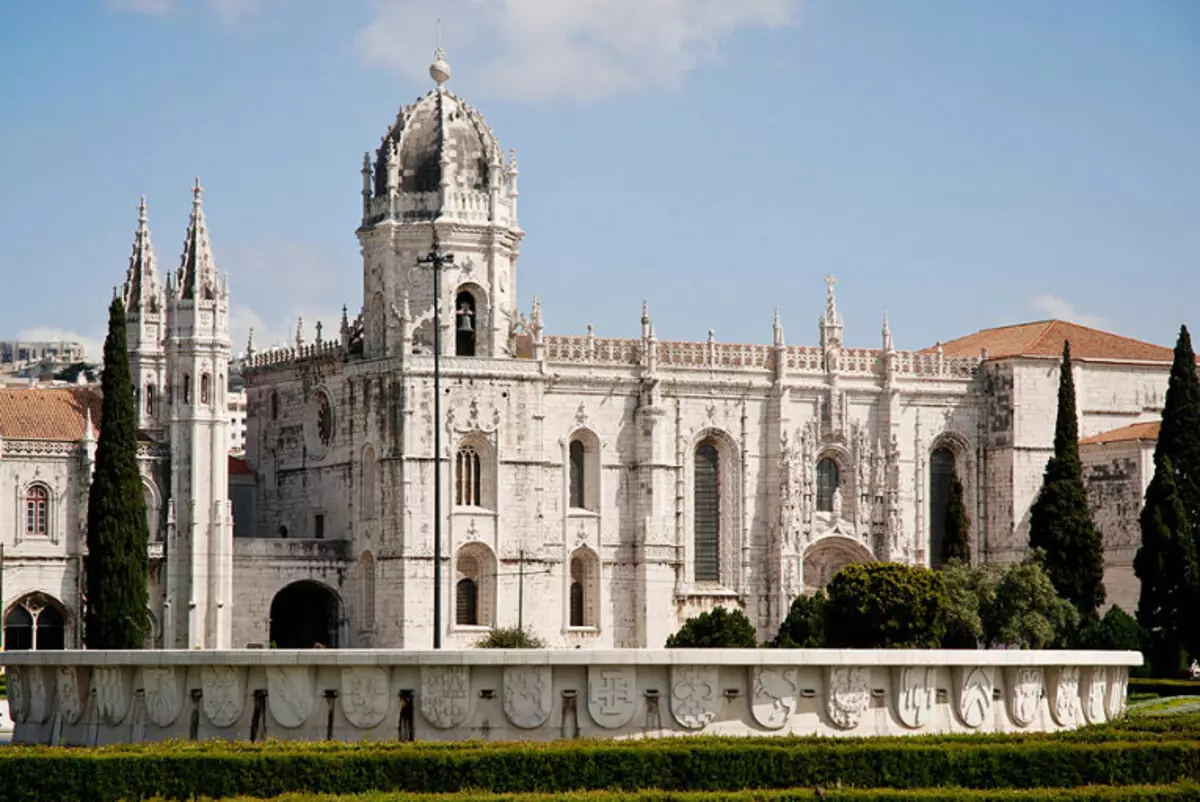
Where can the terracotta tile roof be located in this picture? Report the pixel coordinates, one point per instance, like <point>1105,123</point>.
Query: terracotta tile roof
<point>1045,339</point>
<point>1137,431</point>
<point>238,467</point>
<point>47,414</point>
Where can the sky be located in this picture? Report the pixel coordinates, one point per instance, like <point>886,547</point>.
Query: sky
<point>955,165</point>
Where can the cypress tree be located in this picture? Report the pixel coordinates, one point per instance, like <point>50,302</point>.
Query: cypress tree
<point>117,562</point>
<point>1060,521</point>
<point>956,545</point>
<point>1179,435</point>
<point>1166,566</point>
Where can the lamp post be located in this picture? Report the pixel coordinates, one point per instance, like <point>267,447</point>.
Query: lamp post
<point>435,260</point>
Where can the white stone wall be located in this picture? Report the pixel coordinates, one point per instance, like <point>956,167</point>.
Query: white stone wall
<point>1116,476</point>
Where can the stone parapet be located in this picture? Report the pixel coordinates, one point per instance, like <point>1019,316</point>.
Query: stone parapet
<point>106,697</point>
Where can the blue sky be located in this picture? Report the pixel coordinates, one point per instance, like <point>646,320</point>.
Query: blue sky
<point>959,165</point>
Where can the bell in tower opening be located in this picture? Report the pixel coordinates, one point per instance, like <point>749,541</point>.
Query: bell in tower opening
<point>464,327</point>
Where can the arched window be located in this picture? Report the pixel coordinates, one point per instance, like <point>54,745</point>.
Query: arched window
<point>707,497</point>
<point>35,622</point>
<point>468,481</point>
<point>204,388</point>
<point>37,510</point>
<point>368,590</point>
<point>149,399</point>
<point>187,389</point>
<point>274,405</point>
<point>464,324</point>
<point>578,473</point>
<point>369,481</point>
<point>466,608</point>
<point>50,631</point>
<point>474,586</point>
<point>827,483</point>
<point>18,630</point>
<point>584,588</point>
<point>941,475</point>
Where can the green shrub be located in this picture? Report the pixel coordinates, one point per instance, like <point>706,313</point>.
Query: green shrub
<point>1026,611</point>
<point>886,606</point>
<point>510,638</point>
<point>804,627</point>
<point>969,591</point>
<point>716,629</point>
<point>1165,687</point>
<point>1117,631</point>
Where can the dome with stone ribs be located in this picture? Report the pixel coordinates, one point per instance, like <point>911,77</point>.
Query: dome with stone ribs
<point>439,117</point>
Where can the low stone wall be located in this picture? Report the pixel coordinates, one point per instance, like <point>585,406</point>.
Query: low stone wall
<point>96,697</point>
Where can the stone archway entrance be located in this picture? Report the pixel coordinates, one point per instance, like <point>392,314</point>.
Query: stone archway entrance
<point>828,556</point>
<point>304,615</point>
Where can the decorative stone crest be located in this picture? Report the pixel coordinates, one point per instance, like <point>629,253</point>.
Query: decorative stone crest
<point>1024,693</point>
<point>848,694</point>
<point>773,695</point>
<point>164,694</point>
<point>915,693</point>
<point>974,685</point>
<point>1065,700</point>
<point>694,695</point>
<point>1118,680</point>
<point>224,692</point>
<point>71,683</point>
<point>113,692</point>
<point>18,700</point>
<point>445,695</point>
<point>40,696</point>
<point>291,694</point>
<point>1097,690</point>
<point>365,697</point>
<point>612,695</point>
<point>528,695</point>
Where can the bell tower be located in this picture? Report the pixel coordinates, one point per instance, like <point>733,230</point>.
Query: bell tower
<point>145,322</point>
<point>439,173</point>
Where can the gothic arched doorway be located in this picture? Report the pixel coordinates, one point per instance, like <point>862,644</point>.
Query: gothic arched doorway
<point>828,556</point>
<point>305,615</point>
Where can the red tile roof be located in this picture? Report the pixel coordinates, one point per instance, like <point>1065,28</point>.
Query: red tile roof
<point>1137,431</point>
<point>1045,339</point>
<point>57,414</point>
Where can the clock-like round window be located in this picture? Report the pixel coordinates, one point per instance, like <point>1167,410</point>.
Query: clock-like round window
<point>324,419</point>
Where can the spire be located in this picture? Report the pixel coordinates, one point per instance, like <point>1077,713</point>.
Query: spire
<point>299,333</point>
<point>196,275</point>
<point>832,318</point>
<point>777,328</point>
<point>141,280</point>
<point>250,343</point>
<point>888,345</point>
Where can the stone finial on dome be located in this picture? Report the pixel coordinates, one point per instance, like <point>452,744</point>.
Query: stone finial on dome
<point>439,70</point>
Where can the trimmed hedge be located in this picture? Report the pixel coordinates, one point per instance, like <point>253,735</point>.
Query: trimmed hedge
<point>677,765</point>
<point>1101,793</point>
<point>1165,687</point>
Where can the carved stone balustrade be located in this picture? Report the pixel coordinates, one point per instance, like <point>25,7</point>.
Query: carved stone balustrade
<point>99,697</point>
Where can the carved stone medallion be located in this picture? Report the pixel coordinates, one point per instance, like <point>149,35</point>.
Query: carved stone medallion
<point>445,695</point>
<point>612,695</point>
<point>41,695</point>
<point>164,694</point>
<point>974,685</point>
<point>1064,703</point>
<point>365,696</point>
<point>528,695</point>
<point>915,694</point>
<point>112,685</point>
<point>773,695</point>
<point>1118,679</point>
<point>848,693</point>
<point>695,695</point>
<point>1024,693</point>
<point>71,684</point>
<point>1097,689</point>
<point>291,694</point>
<point>224,693</point>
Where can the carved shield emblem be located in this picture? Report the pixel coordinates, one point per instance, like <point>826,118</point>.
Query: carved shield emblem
<point>1097,689</point>
<point>1117,684</point>
<point>445,695</point>
<point>365,695</point>
<point>164,694</point>
<point>70,684</point>
<point>224,694</point>
<point>612,695</point>
<point>1024,694</point>
<point>112,685</point>
<point>18,700</point>
<point>1065,702</point>
<point>291,694</point>
<point>847,695</point>
<point>528,695</point>
<point>40,698</point>
<point>773,698</point>
<point>915,694</point>
<point>974,685</point>
<point>694,695</point>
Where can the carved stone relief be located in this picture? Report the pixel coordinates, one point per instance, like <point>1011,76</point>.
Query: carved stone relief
<point>1097,689</point>
<point>974,685</point>
<point>695,695</point>
<point>164,694</point>
<point>224,693</point>
<point>1118,680</point>
<point>71,683</point>
<point>445,695</point>
<point>365,695</point>
<point>1025,687</point>
<point>18,700</point>
<point>773,699</point>
<point>1065,698</point>
<point>612,695</point>
<point>847,695</point>
<point>528,695</point>
<point>40,696</point>
<point>291,694</point>
<point>113,689</point>
<point>915,694</point>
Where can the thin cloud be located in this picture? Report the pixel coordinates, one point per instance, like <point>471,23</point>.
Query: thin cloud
<point>151,8</point>
<point>1061,309</point>
<point>228,11</point>
<point>584,49</point>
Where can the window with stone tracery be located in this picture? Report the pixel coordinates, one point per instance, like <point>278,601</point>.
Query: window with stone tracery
<point>187,389</point>
<point>205,390</point>
<point>468,478</point>
<point>584,588</point>
<point>149,399</point>
<point>368,482</point>
<point>827,483</point>
<point>37,510</point>
<point>474,586</point>
<point>35,622</point>
<point>707,511</point>
<point>941,476</point>
<point>577,473</point>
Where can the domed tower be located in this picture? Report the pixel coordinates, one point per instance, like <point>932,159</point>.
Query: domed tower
<point>439,172</point>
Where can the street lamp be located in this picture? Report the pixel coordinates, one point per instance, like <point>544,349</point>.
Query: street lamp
<point>436,259</point>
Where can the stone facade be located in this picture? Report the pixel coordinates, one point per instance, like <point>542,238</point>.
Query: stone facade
<point>90,698</point>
